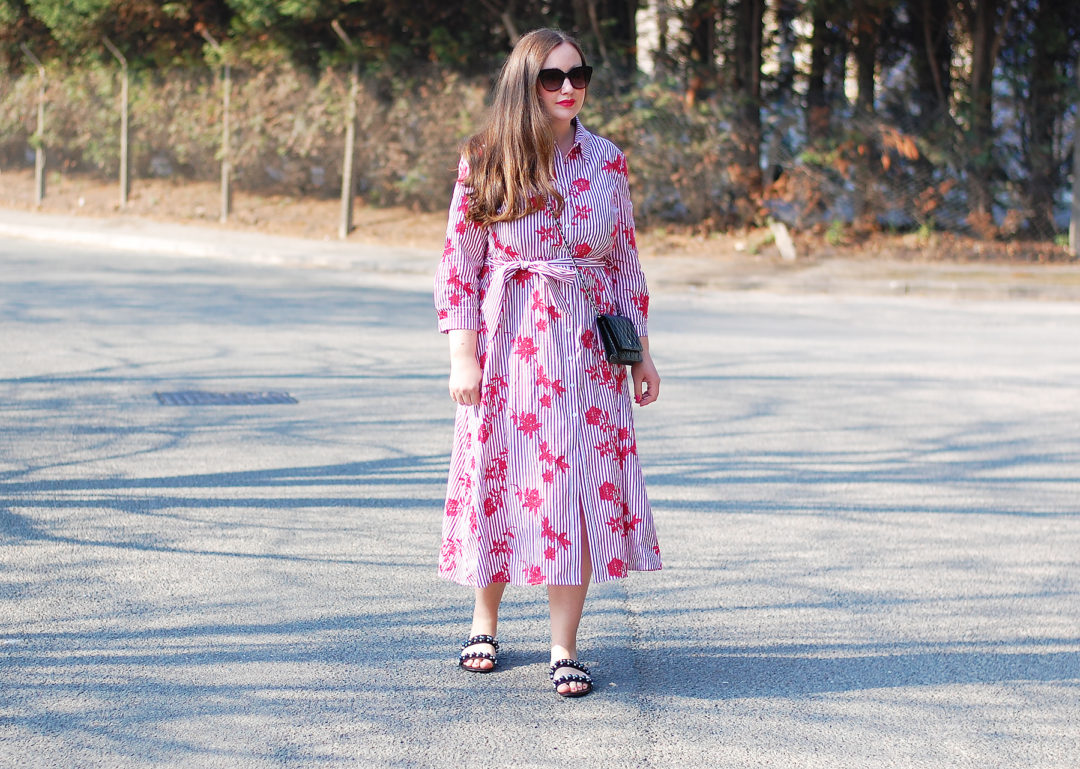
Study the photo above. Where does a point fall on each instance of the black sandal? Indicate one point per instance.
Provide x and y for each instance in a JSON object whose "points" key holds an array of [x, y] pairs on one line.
{"points": [[585, 678], [479, 639]]}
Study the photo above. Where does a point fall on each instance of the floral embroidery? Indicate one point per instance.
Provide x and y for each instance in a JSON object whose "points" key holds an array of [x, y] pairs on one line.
{"points": [[525, 348], [450, 549], [557, 538], [617, 166], [548, 233], [527, 423], [617, 443], [553, 386], [623, 522], [530, 499], [502, 546], [616, 568], [548, 457], [547, 311]]}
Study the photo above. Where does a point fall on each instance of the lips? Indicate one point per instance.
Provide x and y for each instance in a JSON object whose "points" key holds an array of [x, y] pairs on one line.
{"points": [[566, 103]]}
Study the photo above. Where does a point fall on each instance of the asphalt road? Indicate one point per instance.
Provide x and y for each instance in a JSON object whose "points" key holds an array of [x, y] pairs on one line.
{"points": [[869, 510]]}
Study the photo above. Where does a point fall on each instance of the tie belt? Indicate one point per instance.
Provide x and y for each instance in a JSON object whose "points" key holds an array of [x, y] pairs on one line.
{"points": [[553, 270]]}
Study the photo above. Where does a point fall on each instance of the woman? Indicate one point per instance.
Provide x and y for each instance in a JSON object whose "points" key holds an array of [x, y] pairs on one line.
{"points": [[544, 475]]}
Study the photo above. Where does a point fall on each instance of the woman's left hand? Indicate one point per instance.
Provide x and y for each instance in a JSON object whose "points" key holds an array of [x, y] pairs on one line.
{"points": [[646, 379]]}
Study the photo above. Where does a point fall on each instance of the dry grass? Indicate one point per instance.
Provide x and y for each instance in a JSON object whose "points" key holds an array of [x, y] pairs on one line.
{"points": [[311, 217]]}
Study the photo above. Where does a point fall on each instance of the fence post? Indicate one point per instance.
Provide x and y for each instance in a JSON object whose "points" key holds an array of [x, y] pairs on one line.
{"points": [[226, 164], [347, 184], [125, 178], [1074, 218], [39, 135]]}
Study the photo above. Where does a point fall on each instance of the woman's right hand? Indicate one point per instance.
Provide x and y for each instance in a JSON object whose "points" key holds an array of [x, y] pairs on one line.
{"points": [[465, 371]]}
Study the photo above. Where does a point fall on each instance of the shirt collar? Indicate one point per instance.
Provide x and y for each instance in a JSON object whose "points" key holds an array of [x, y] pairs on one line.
{"points": [[582, 140]]}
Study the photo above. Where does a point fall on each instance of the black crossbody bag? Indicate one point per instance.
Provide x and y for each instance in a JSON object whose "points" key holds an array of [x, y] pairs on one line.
{"points": [[622, 345]]}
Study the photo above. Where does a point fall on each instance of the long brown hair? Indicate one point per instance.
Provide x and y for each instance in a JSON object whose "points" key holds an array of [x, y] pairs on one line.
{"points": [[512, 157]]}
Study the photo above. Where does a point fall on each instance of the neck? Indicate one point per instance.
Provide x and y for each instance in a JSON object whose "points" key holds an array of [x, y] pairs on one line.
{"points": [[564, 136]]}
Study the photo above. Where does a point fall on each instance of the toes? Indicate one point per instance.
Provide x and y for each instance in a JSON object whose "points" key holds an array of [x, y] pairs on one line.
{"points": [[479, 663], [573, 687]]}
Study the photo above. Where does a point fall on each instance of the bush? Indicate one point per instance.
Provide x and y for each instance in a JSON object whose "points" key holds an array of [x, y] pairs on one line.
{"points": [[288, 138], [681, 157], [287, 129]]}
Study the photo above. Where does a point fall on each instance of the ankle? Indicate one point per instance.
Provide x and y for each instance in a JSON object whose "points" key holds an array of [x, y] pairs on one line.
{"points": [[485, 638], [561, 652], [483, 628]]}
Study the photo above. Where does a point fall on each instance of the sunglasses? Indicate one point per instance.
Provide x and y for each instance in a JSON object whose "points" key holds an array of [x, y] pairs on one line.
{"points": [[552, 79]]}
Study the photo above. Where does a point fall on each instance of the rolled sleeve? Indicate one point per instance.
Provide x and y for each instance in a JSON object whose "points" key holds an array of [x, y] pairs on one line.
{"points": [[457, 295], [631, 293]]}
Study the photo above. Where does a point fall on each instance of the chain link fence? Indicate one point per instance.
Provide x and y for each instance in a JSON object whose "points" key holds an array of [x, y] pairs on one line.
{"points": [[288, 138]]}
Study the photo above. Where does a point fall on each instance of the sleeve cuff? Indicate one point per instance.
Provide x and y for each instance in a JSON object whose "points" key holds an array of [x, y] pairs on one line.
{"points": [[460, 320]]}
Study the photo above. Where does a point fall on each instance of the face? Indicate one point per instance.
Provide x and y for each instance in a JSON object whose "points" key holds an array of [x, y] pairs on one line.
{"points": [[563, 105]]}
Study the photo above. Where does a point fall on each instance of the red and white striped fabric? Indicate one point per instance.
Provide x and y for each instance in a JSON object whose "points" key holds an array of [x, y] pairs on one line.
{"points": [[552, 442]]}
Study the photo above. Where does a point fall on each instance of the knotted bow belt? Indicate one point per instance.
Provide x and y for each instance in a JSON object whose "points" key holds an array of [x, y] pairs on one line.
{"points": [[555, 271]]}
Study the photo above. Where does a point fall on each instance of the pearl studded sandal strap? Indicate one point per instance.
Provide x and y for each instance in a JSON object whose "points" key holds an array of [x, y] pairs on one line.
{"points": [[481, 639], [567, 677]]}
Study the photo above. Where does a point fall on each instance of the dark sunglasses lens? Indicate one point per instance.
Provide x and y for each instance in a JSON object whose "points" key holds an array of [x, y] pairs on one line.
{"points": [[551, 79], [580, 76]]}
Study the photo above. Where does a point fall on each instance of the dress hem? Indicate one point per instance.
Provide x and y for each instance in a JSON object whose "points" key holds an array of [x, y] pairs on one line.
{"points": [[597, 578]]}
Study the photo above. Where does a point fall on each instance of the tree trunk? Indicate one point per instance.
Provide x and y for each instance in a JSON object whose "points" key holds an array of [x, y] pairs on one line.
{"points": [[866, 23], [865, 26], [700, 21], [817, 103], [980, 131], [837, 74], [611, 27], [784, 101], [1074, 219], [747, 93], [786, 13], [931, 48], [1044, 104]]}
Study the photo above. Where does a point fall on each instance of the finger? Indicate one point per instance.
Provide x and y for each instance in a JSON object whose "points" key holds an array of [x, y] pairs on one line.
{"points": [[652, 391]]}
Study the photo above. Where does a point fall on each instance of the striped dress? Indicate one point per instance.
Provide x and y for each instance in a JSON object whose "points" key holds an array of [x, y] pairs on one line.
{"points": [[551, 444]]}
